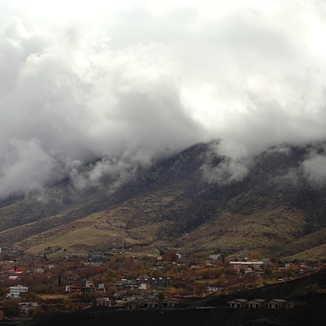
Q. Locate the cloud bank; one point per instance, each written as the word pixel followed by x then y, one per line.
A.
pixel 123 84
pixel 314 167
pixel 234 163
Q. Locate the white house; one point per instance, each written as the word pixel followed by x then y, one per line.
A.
pixel 237 303
pixel 150 304
pixel 15 291
pixel 170 303
pixel 256 303
pixel 279 304
pixel 214 257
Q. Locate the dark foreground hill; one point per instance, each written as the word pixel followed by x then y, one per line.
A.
pixel 307 315
pixel 197 201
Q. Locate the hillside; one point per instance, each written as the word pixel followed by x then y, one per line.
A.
pixel 274 209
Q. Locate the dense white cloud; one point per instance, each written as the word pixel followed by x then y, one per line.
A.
pixel 234 163
pixel 314 167
pixel 105 80
pixel 24 166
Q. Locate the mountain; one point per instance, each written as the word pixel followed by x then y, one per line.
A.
pixel 195 202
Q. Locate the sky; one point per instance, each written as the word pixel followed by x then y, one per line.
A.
pixel 122 83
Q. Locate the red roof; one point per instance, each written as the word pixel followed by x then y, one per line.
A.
pixel 18 271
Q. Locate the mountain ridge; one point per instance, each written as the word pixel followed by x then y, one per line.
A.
pixel 273 208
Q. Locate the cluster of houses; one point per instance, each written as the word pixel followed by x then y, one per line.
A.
pixel 88 288
pixel 147 300
pixel 26 308
pixel 248 264
pixel 159 281
pixel 142 283
pixel 257 267
pixel 139 302
pixel 261 303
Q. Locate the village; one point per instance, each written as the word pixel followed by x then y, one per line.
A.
pixel 33 285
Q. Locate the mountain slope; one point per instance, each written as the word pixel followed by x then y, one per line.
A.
pixel 273 209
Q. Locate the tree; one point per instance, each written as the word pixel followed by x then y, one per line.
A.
pixel 172 290
pixel 11 308
pixel 255 255
pixel 110 275
pixel 67 303
pixel 161 295
pixel 268 272
pixel 289 271
pixel 156 273
pixel 170 256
